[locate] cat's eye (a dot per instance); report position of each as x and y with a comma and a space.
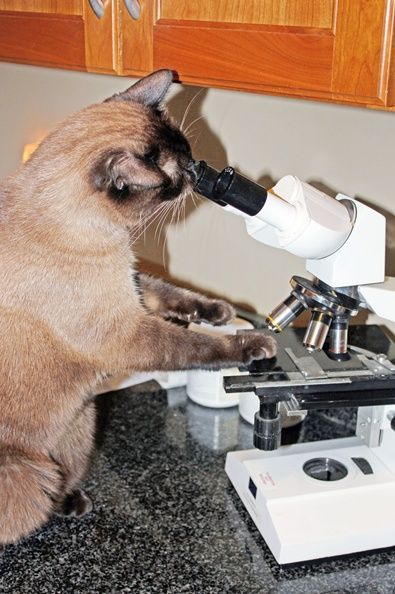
151, 157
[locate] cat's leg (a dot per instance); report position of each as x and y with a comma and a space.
30, 485
174, 303
73, 453
149, 343
42, 386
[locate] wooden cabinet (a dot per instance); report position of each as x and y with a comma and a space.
333, 50
136, 38
42, 32
59, 33
339, 50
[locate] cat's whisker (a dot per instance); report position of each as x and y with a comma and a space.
143, 223
189, 107
145, 219
175, 207
165, 239
176, 215
147, 222
150, 222
162, 220
191, 134
181, 211
140, 225
160, 216
191, 124
159, 226
196, 198
197, 139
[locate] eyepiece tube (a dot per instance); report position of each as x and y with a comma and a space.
229, 187
206, 178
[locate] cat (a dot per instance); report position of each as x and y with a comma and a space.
73, 308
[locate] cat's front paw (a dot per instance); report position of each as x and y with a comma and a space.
255, 345
211, 311
215, 311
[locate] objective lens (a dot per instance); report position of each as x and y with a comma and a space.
284, 314
317, 330
338, 338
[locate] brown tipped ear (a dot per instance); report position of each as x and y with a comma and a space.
150, 90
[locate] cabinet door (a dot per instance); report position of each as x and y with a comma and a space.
59, 33
329, 49
101, 35
136, 18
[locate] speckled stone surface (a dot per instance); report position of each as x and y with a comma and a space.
166, 519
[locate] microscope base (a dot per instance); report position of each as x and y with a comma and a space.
302, 518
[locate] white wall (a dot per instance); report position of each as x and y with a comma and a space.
344, 148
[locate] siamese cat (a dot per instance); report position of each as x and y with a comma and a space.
74, 310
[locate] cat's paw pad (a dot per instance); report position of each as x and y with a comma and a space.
76, 504
256, 345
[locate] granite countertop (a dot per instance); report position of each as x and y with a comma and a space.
167, 520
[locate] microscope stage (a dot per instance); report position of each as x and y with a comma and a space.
302, 518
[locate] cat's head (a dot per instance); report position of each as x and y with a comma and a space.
125, 153
145, 160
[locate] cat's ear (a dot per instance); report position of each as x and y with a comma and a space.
119, 169
150, 90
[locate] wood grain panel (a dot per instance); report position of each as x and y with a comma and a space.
246, 58
359, 47
391, 57
136, 40
54, 6
101, 38
44, 39
300, 13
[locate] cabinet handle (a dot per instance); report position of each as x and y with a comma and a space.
97, 7
134, 9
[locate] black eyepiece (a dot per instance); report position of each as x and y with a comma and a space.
229, 187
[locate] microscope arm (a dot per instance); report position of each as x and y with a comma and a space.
380, 298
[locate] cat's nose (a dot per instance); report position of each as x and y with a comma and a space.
191, 169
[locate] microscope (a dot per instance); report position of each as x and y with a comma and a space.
334, 497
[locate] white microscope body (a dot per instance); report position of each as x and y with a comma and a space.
342, 239
302, 518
